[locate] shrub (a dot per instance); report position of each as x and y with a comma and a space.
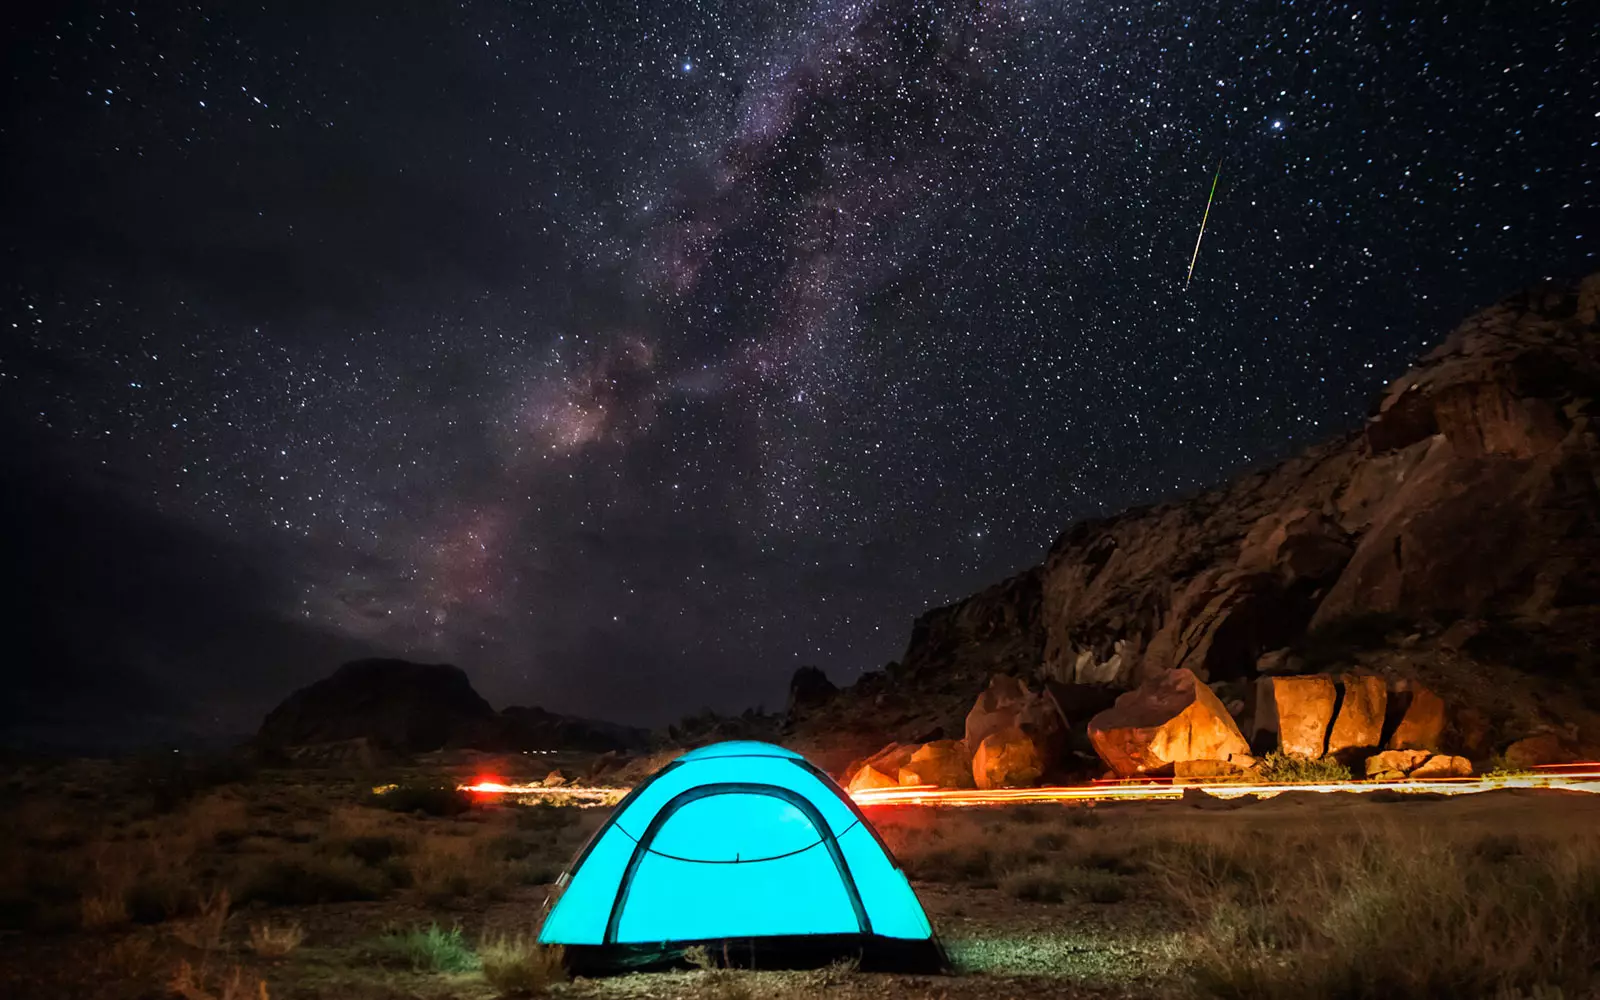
104, 909
204, 930
520, 964
1281, 768
371, 849
1054, 883
269, 941
544, 816
432, 800
196, 984
307, 880
431, 950
169, 780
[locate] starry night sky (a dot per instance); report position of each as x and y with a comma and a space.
631, 355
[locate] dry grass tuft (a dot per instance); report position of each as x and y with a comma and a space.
1390, 914
105, 909
271, 941
520, 965
204, 929
195, 984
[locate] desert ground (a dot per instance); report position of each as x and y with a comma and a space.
214, 879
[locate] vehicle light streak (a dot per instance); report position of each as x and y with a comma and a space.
1583, 777
1576, 778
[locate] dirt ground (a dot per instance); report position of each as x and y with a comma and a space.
112, 886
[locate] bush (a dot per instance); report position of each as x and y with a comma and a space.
1054, 883
308, 880
171, 779
431, 950
520, 964
1278, 767
269, 941
372, 849
432, 800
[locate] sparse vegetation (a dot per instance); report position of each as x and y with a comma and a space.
1248, 903
1281, 768
1391, 914
517, 964
425, 950
429, 800
275, 941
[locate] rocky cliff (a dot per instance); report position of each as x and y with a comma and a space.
1455, 538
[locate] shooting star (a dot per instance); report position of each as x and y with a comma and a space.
1203, 219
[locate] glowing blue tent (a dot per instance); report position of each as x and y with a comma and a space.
748, 850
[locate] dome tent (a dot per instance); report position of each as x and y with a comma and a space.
750, 851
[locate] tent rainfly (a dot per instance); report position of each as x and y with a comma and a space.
748, 850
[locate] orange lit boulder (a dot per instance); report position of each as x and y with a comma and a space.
1392, 765
1534, 751
1299, 710
1360, 721
943, 763
1009, 703
1422, 720
1169, 718
870, 777
1007, 759
1442, 765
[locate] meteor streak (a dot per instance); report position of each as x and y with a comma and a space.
1203, 219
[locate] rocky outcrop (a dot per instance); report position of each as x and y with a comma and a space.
396, 706
1170, 718
809, 689
1471, 494
522, 727
393, 704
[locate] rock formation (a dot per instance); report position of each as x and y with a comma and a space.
1007, 758
1172, 717
1359, 726
1453, 541
943, 764
396, 706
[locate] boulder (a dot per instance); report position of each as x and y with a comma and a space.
1422, 721
1359, 724
555, 779
1169, 718
1009, 703
1392, 765
1299, 710
1442, 765
942, 763
870, 777
809, 689
1539, 750
1007, 759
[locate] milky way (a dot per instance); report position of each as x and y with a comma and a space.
632, 357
